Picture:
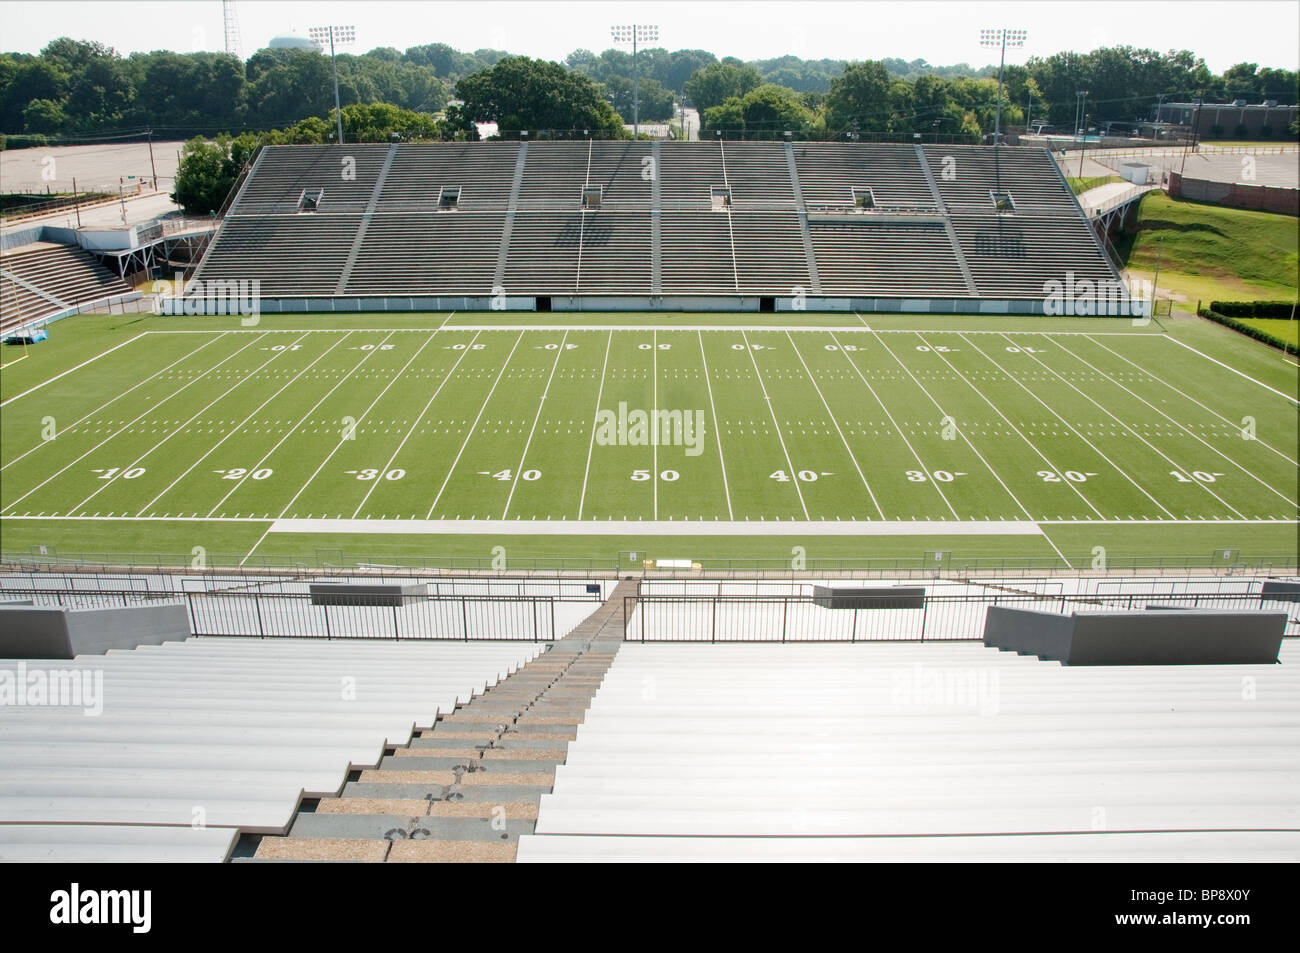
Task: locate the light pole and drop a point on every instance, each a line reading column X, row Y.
column 340, row 35
column 1081, row 103
column 635, row 33
column 1001, row 37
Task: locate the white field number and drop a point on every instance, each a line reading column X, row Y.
column 507, row 475
column 843, row 347
column 108, row 474
column 238, row 473
column 939, row 476
column 752, row 347
column 647, row 347
column 668, row 476
column 806, row 476
column 1074, row 476
column 1013, row 349
column 371, row 473
column 938, row 347
column 1198, row 476
column 374, row 347
column 461, row 347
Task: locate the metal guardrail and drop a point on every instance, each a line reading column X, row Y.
column 256, row 613
column 948, row 618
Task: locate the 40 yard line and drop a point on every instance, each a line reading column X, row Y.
column 600, row 391
column 794, row 475
column 541, row 404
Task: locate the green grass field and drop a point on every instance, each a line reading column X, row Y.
column 852, row 438
column 1282, row 328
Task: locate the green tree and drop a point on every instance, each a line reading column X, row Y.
column 205, row 176
column 718, row 82
column 858, row 100
column 519, row 93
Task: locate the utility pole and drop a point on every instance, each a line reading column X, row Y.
column 153, row 168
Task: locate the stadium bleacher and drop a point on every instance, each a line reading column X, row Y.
column 43, row 278
column 640, row 219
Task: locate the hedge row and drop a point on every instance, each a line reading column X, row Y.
column 1248, row 330
column 1254, row 309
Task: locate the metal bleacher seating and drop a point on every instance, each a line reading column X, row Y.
column 640, row 218
column 43, row 278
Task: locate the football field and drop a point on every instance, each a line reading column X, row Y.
column 648, row 427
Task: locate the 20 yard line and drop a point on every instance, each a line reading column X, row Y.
column 429, row 403
column 301, row 420
column 600, row 391
column 716, row 432
column 80, row 420
column 794, row 475
column 836, row 424
column 140, row 416
column 470, row 434
column 541, row 404
column 1095, row 449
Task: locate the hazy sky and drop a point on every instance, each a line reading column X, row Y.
column 1223, row 32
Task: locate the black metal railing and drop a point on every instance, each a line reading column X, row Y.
column 798, row 618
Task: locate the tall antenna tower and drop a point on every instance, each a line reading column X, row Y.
column 232, row 28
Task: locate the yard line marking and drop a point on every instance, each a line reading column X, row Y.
column 1194, row 436
column 600, row 391
column 142, row 414
column 794, row 475
column 292, row 430
column 1180, row 393
column 360, row 417
column 1233, row 369
column 5, row 403
column 14, row 361
column 974, row 449
column 1032, row 445
column 230, row 433
column 1141, row 489
column 219, row 336
column 540, row 405
column 275, row 355
column 379, row 477
column 470, row 434
column 831, row 414
column 630, row 326
column 894, row 423
column 1130, row 430
column 716, row 432
column 654, row 419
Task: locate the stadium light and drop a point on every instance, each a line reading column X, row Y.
column 635, row 33
column 1001, row 37
column 320, row 35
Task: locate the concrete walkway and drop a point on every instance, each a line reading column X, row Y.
column 466, row 791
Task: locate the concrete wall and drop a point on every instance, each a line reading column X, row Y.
column 52, row 632
column 1260, row 198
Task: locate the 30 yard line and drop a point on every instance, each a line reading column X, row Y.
column 600, row 391
column 1186, row 430
column 794, row 475
column 717, row 434
column 276, row 355
column 894, row 423
column 541, row 405
column 294, row 429
column 140, row 416
column 1140, row 488
column 1189, row 397
column 1158, row 452
column 80, row 420
column 830, row 413
column 470, row 434
column 1008, row 422
column 230, row 433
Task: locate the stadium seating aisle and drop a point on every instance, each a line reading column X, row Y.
column 924, row 751
column 224, row 734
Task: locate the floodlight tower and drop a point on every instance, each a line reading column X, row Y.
column 634, row 33
column 231, row 22
column 1001, row 37
column 334, row 35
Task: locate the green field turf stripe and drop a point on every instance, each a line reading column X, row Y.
column 1052, row 410
column 235, row 429
column 541, row 405
column 298, row 424
column 1180, row 426
column 717, row 434
column 31, row 390
column 1127, row 427
column 794, row 478
column 591, row 444
column 1188, row 397
column 275, row 356
column 831, row 415
column 1234, row 370
column 469, row 435
column 983, row 395
column 82, row 419
column 135, row 419
column 414, row 423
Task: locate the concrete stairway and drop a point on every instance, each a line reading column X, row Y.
column 466, row 791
